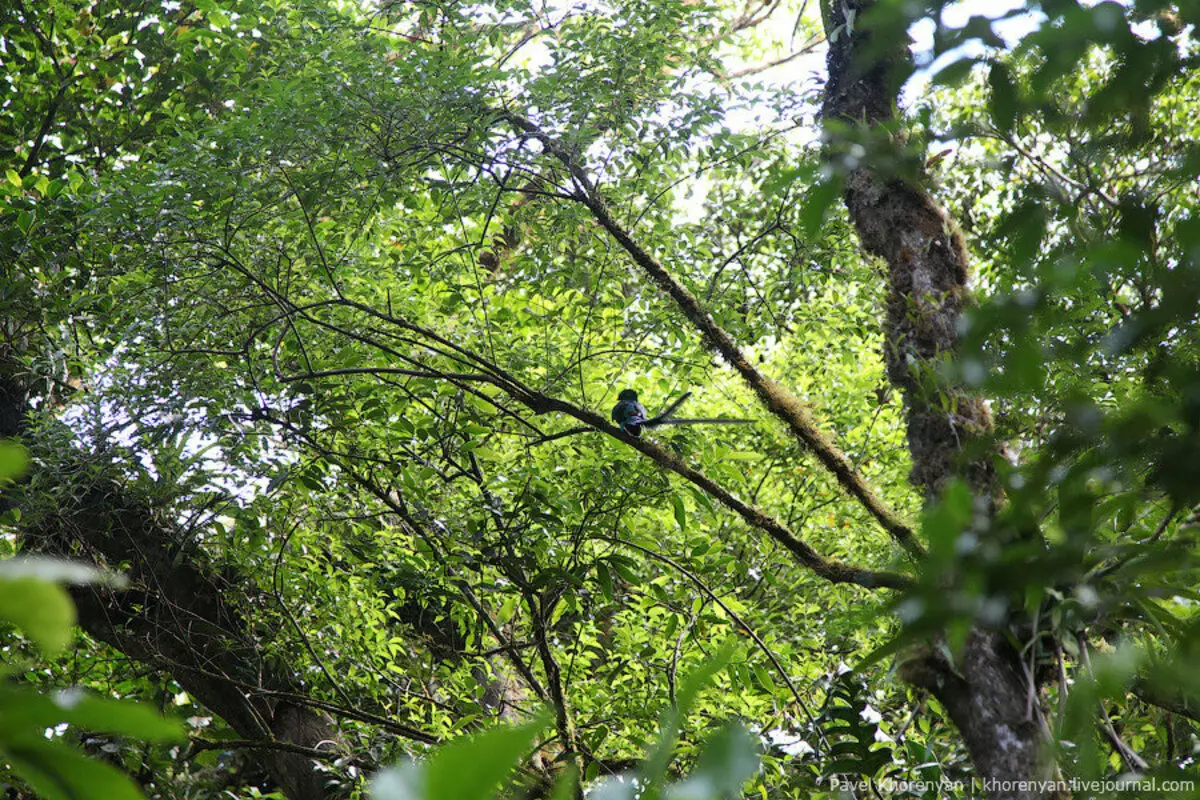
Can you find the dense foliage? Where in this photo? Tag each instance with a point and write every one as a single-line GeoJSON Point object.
{"type": "Point", "coordinates": [313, 314]}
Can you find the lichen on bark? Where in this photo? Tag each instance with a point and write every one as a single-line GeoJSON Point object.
{"type": "Point", "coordinates": [985, 692]}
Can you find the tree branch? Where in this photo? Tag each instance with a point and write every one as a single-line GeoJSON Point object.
{"type": "Point", "coordinates": [199, 745]}
{"type": "Point", "coordinates": [778, 400]}
{"type": "Point", "coordinates": [733, 615]}
{"type": "Point", "coordinates": [830, 570]}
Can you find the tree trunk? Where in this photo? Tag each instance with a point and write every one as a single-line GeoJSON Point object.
{"type": "Point", "coordinates": [985, 693]}
{"type": "Point", "coordinates": [988, 700]}
{"type": "Point", "coordinates": [174, 615]}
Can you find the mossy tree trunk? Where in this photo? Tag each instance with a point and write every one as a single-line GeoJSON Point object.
{"type": "Point", "coordinates": [985, 691]}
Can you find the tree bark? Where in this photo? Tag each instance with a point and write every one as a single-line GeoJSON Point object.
{"type": "Point", "coordinates": [897, 221]}
{"type": "Point", "coordinates": [174, 615]}
{"type": "Point", "coordinates": [987, 698]}
{"type": "Point", "coordinates": [985, 692]}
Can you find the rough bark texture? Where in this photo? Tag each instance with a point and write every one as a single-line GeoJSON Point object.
{"type": "Point", "coordinates": [12, 406]}
{"type": "Point", "coordinates": [926, 297]}
{"type": "Point", "coordinates": [985, 694]}
{"type": "Point", "coordinates": [926, 259]}
{"type": "Point", "coordinates": [174, 615]}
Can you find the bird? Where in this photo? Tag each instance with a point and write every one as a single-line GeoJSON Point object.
{"type": "Point", "coordinates": [628, 413]}
{"type": "Point", "coordinates": [631, 415]}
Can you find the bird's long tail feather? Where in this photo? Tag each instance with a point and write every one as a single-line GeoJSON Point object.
{"type": "Point", "coordinates": [654, 423]}
{"type": "Point", "coordinates": [661, 417]}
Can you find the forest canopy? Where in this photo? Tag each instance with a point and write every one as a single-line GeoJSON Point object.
{"type": "Point", "coordinates": [317, 319]}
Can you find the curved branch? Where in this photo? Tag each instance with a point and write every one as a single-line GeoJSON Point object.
{"type": "Point", "coordinates": [778, 400]}
{"type": "Point", "coordinates": [199, 745]}
{"type": "Point", "coordinates": [733, 615]}
{"type": "Point", "coordinates": [831, 570]}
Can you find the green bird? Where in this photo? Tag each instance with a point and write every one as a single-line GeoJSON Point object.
{"type": "Point", "coordinates": [628, 413]}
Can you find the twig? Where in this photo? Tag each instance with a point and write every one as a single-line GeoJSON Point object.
{"type": "Point", "coordinates": [292, 618]}
{"type": "Point", "coordinates": [199, 745]}
{"type": "Point", "coordinates": [830, 570]}
{"type": "Point", "coordinates": [1133, 761]}
{"type": "Point", "coordinates": [733, 615]}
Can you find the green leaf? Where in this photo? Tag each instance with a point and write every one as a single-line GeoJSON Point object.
{"type": "Point", "coordinates": [43, 611]}
{"type": "Point", "coordinates": [59, 773]}
{"type": "Point", "coordinates": [98, 714]}
{"type": "Point", "coordinates": [1025, 228]}
{"type": "Point", "coordinates": [729, 759]}
{"type": "Point", "coordinates": [604, 576]}
{"type": "Point", "coordinates": [56, 570]}
{"type": "Point", "coordinates": [1003, 102]}
{"type": "Point", "coordinates": [817, 203]}
{"type": "Point", "coordinates": [14, 460]}
{"type": "Point", "coordinates": [955, 72]}
{"type": "Point", "coordinates": [1026, 366]}
{"type": "Point", "coordinates": [471, 768]}
{"type": "Point", "coordinates": [506, 609]}
{"type": "Point", "coordinates": [779, 182]}
{"type": "Point", "coordinates": [564, 787]}
{"type": "Point", "coordinates": [624, 569]}
{"type": "Point", "coordinates": [764, 678]}
{"type": "Point", "coordinates": [680, 511]}
{"type": "Point", "coordinates": [947, 518]}
{"type": "Point", "coordinates": [659, 757]}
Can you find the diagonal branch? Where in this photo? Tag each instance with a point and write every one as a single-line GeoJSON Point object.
{"type": "Point", "coordinates": [176, 617]}
{"type": "Point", "coordinates": [831, 570]}
{"type": "Point", "coordinates": [778, 400]}
{"type": "Point", "coordinates": [1169, 698]}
